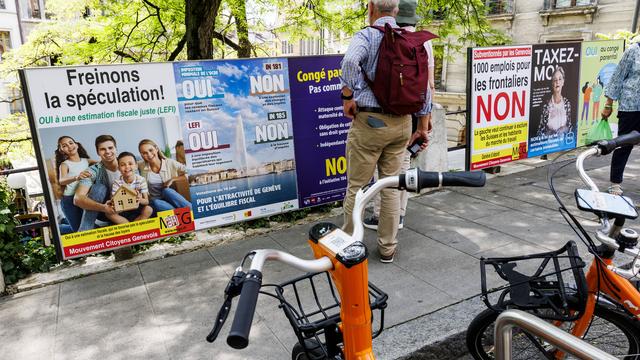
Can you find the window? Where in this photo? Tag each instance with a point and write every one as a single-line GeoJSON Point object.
{"type": "Point", "coordinates": [499, 7]}
{"type": "Point", "coordinates": [123, 192]}
{"type": "Point", "coordinates": [17, 103]}
{"type": "Point", "coordinates": [563, 4]}
{"type": "Point", "coordinates": [2, 5]}
{"type": "Point", "coordinates": [286, 47]}
{"type": "Point", "coordinates": [130, 201]}
{"type": "Point", "coordinates": [5, 42]}
{"type": "Point", "coordinates": [120, 203]}
{"type": "Point", "coordinates": [32, 9]}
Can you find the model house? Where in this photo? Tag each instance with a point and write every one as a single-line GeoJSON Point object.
{"type": "Point", "coordinates": [125, 199]}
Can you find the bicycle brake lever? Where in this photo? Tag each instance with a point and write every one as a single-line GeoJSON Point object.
{"type": "Point", "coordinates": [233, 289]}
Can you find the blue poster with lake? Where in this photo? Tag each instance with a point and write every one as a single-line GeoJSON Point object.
{"type": "Point", "coordinates": [320, 129]}
{"type": "Point", "coordinates": [238, 138]}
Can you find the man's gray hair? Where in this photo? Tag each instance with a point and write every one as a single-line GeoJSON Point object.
{"type": "Point", "coordinates": [385, 6]}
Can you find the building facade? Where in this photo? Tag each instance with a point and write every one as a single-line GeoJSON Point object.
{"type": "Point", "coordinates": [531, 22]}
{"type": "Point", "coordinates": [17, 19]}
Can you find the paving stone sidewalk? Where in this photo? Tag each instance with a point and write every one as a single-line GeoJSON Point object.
{"type": "Point", "coordinates": [163, 309]}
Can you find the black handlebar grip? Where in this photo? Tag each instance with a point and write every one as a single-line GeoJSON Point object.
{"type": "Point", "coordinates": [607, 146]}
{"type": "Point", "coordinates": [464, 178]}
{"type": "Point", "coordinates": [239, 335]}
{"type": "Point", "coordinates": [428, 179]}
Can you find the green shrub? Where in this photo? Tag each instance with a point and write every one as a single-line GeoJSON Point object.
{"type": "Point", "coordinates": [18, 259]}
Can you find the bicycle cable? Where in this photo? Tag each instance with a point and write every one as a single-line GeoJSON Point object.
{"type": "Point", "coordinates": [587, 240]}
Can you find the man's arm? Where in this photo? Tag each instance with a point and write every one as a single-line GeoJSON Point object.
{"type": "Point", "coordinates": [422, 131]}
{"type": "Point", "coordinates": [82, 200]}
{"type": "Point", "coordinates": [351, 73]}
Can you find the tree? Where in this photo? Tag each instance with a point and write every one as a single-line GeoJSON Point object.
{"type": "Point", "coordinates": [124, 31]}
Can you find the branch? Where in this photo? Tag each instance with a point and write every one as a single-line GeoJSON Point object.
{"type": "Point", "coordinates": [11, 101]}
{"type": "Point", "coordinates": [124, 55]}
{"type": "Point", "coordinates": [178, 49]}
{"type": "Point", "coordinates": [11, 141]}
{"type": "Point", "coordinates": [225, 40]}
{"type": "Point", "coordinates": [164, 29]}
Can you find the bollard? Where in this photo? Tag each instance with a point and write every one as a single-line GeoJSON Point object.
{"type": "Point", "coordinates": [434, 157]}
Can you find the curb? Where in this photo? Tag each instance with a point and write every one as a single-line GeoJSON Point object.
{"type": "Point", "coordinates": [439, 335]}
{"type": "Point", "coordinates": [205, 238]}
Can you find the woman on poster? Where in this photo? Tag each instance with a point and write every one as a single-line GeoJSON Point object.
{"type": "Point", "coordinates": [556, 112]}
{"type": "Point", "coordinates": [160, 173]}
{"type": "Point", "coordinates": [71, 161]}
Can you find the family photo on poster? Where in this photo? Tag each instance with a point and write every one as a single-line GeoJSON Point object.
{"type": "Point", "coordinates": [111, 145]}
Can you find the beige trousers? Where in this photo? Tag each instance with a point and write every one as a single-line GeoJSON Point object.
{"type": "Point", "coordinates": [376, 139]}
{"type": "Point", "coordinates": [404, 196]}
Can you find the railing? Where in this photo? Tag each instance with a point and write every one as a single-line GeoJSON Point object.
{"type": "Point", "coordinates": [564, 4]}
{"type": "Point", "coordinates": [541, 329]}
{"type": "Point", "coordinates": [32, 225]}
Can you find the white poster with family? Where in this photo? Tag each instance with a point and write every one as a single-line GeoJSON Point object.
{"type": "Point", "coordinates": [110, 141]}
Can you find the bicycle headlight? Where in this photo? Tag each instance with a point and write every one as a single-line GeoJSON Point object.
{"type": "Point", "coordinates": [352, 254]}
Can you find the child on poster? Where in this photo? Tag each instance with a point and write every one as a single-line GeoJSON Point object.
{"type": "Point", "coordinates": [71, 161]}
{"type": "Point", "coordinates": [127, 165]}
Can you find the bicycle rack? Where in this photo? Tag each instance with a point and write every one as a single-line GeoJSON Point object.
{"type": "Point", "coordinates": [540, 328]}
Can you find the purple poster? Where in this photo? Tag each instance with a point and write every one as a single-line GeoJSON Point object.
{"type": "Point", "coordinates": [319, 128]}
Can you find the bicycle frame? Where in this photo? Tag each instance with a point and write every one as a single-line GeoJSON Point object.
{"type": "Point", "coordinates": [612, 284]}
{"type": "Point", "coordinates": [352, 283]}
{"type": "Point", "coordinates": [344, 257]}
{"type": "Point", "coordinates": [601, 277]}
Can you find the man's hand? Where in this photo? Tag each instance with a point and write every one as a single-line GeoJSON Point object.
{"type": "Point", "coordinates": [422, 132]}
{"type": "Point", "coordinates": [84, 174]}
{"type": "Point", "coordinates": [108, 208]}
{"type": "Point", "coordinates": [420, 135]}
{"type": "Point", "coordinates": [350, 108]}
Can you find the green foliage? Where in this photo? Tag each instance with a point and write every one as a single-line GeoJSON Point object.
{"type": "Point", "coordinates": [459, 23]}
{"type": "Point", "coordinates": [19, 260]}
{"type": "Point", "coordinates": [628, 36]}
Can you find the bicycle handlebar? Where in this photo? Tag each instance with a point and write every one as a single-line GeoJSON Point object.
{"type": "Point", "coordinates": [607, 146]}
{"type": "Point", "coordinates": [413, 180]}
{"type": "Point", "coordinates": [416, 179]}
{"type": "Point", "coordinates": [239, 335]}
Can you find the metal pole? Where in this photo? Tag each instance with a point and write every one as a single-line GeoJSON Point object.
{"type": "Point", "coordinates": [542, 329]}
{"type": "Point", "coordinates": [634, 24]}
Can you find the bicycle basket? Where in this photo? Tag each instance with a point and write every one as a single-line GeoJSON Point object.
{"type": "Point", "coordinates": [312, 307]}
{"type": "Point", "coordinates": [552, 285]}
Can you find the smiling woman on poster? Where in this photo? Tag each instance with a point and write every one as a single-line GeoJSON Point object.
{"type": "Point", "coordinates": [160, 173]}
{"type": "Point", "coordinates": [556, 112]}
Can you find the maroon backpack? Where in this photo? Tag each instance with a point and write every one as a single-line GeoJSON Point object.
{"type": "Point", "coordinates": [402, 76]}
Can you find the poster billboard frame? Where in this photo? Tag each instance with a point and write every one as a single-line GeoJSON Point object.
{"type": "Point", "coordinates": [43, 176]}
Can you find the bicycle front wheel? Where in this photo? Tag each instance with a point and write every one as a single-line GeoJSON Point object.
{"type": "Point", "coordinates": [612, 331]}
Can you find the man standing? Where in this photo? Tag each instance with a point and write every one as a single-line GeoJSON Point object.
{"type": "Point", "coordinates": [375, 137]}
{"type": "Point", "coordinates": [407, 19]}
{"type": "Point", "coordinates": [95, 187]}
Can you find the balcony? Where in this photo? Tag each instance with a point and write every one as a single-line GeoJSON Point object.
{"type": "Point", "coordinates": [551, 8]}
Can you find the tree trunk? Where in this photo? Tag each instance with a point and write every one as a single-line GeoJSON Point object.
{"type": "Point", "coordinates": [240, 13]}
{"type": "Point", "coordinates": [200, 19]}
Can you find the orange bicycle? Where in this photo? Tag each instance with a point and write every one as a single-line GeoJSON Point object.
{"type": "Point", "coordinates": [330, 308]}
{"type": "Point", "coordinates": [602, 307]}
